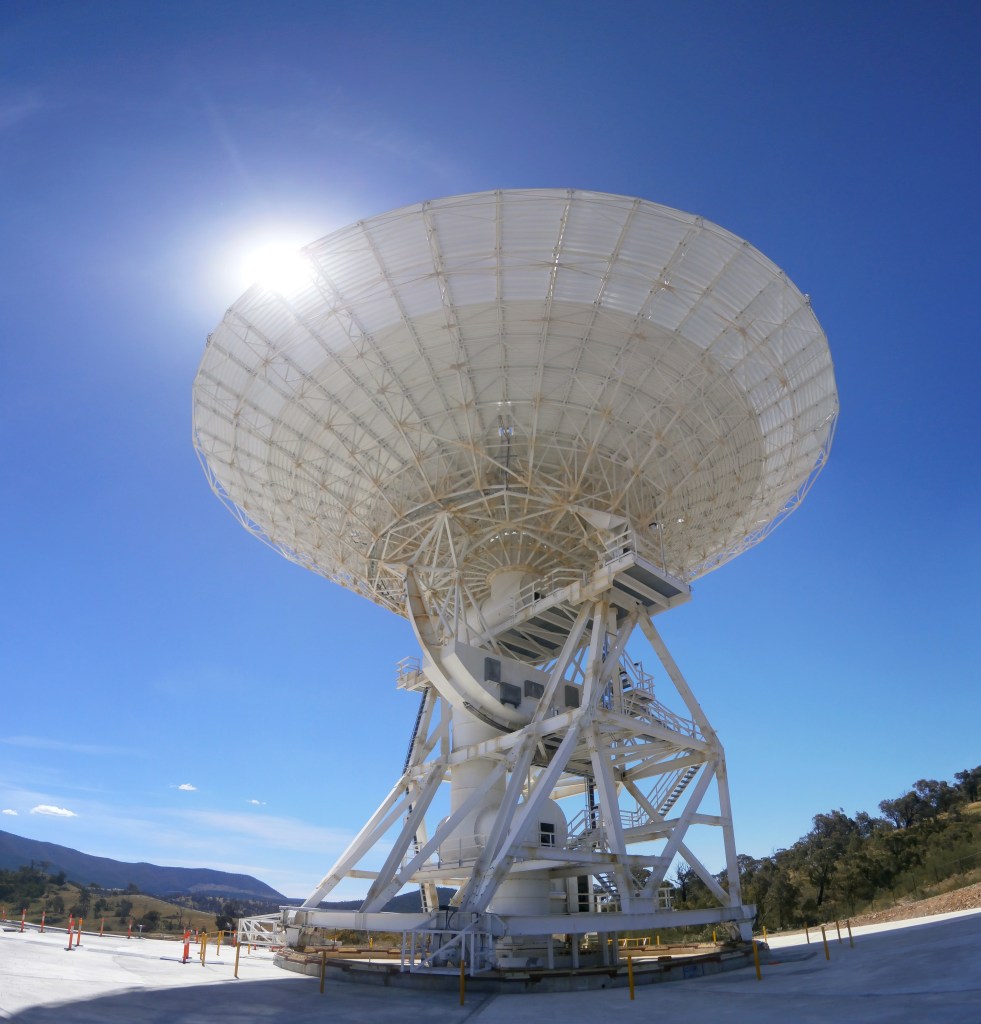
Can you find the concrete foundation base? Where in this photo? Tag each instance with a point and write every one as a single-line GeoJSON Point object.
{"type": "Point", "coordinates": [646, 970]}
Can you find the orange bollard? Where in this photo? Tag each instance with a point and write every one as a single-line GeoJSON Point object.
{"type": "Point", "coordinates": [102, 927]}
{"type": "Point", "coordinates": [187, 944]}
{"type": "Point", "coordinates": [70, 936]}
{"type": "Point", "coordinates": [129, 930]}
{"type": "Point", "coordinates": [23, 918]}
{"type": "Point", "coordinates": [43, 915]}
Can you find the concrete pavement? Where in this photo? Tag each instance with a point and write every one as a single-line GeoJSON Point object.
{"type": "Point", "coordinates": [928, 969]}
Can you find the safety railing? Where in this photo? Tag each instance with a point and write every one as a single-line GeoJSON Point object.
{"type": "Point", "coordinates": [543, 587]}
{"type": "Point", "coordinates": [635, 698]}
{"type": "Point", "coordinates": [445, 946]}
{"type": "Point", "coordinates": [266, 930]}
{"type": "Point", "coordinates": [409, 674]}
{"type": "Point", "coordinates": [586, 828]}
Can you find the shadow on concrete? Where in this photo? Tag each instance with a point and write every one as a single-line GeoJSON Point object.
{"type": "Point", "coordinates": [294, 999]}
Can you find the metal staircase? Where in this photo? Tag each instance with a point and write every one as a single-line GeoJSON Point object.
{"type": "Point", "coordinates": [428, 893]}
{"type": "Point", "coordinates": [680, 786]}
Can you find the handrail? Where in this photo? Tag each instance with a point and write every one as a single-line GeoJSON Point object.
{"type": "Point", "coordinates": [438, 945]}
{"type": "Point", "coordinates": [265, 930]}
{"type": "Point", "coordinates": [543, 587]}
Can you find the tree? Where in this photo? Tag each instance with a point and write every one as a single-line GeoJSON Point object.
{"type": "Point", "coordinates": [937, 797]}
{"type": "Point", "coordinates": [84, 900]}
{"type": "Point", "coordinates": [123, 909]}
{"type": "Point", "coordinates": [969, 782]}
{"type": "Point", "coordinates": [823, 848]}
{"type": "Point", "coordinates": [684, 880]}
{"type": "Point", "coordinates": [904, 810]}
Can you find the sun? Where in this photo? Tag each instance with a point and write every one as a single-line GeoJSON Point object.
{"type": "Point", "coordinates": [278, 265]}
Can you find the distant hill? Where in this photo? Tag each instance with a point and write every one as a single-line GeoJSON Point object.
{"type": "Point", "coordinates": [405, 903]}
{"type": "Point", "coordinates": [16, 851]}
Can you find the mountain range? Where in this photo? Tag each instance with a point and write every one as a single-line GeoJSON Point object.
{"type": "Point", "coordinates": [16, 851]}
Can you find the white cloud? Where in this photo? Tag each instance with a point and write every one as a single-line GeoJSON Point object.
{"type": "Point", "coordinates": [187, 787]}
{"type": "Point", "coordinates": [270, 831]}
{"type": "Point", "coordinates": [258, 803]}
{"type": "Point", "coordinates": [43, 743]}
{"type": "Point", "coordinates": [57, 812]}
{"type": "Point", "coordinates": [7, 810]}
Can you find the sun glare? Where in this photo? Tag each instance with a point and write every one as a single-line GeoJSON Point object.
{"type": "Point", "coordinates": [278, 266]}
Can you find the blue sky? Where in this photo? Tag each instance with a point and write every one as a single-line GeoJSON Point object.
{"type": "Point", "coordinates": [147, 643]}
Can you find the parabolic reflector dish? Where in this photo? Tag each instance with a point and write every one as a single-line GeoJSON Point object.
{"type": "Point", "coordinates": [509, 370]}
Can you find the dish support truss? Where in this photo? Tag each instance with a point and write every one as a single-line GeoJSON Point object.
{"type": "Point", "coordinates": [524, 869]}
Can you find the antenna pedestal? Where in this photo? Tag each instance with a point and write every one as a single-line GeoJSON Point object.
{"type": "Point", "coordinates": [568, 824]}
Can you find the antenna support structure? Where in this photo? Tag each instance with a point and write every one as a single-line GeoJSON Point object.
{"type": "Point", "coordinates": [526, 421]}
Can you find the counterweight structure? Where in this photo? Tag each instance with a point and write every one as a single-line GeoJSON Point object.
{"type": "Point", "coordinates": [527, 421]}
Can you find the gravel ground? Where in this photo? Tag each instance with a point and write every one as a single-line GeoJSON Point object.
{"type": "Point", "coordinates": [968, 898]}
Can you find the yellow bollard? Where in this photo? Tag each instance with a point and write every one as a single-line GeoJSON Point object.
{"type": "Point", "coordinates": [764, 933]}
{"type": "Point", "coordinates": [824, 937]}
{"type": "Point", "coordinates": [630, 974]}
{"type": "Point", "coordinates": [838, 926]}
{"type": "Point", "coordinates": [463, 980]}
{"type": "Point", "coordinates": [238, 949]}
{"type": "Point", "coordinates": [323, 969]}
{"type": "Point", "coordinates": [204, 946]}
{"type": "Point", "coordinates": [851, 941]}
{"type": "Point", "coordinates": [714, 939]}
{"type": "Point", "coordinates": [78, 934]}
{"type": "Point", "coordinates": [756, 961]}
{"type": "Point", "coordinates": [218, 946]}
{"type": "Point", "coordinates": [657, 938]}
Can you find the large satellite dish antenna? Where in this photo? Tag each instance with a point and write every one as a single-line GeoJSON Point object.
{"type": "Point", "coordinates": [525, 420]}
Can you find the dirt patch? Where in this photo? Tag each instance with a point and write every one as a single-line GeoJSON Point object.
{"type": "Point", "coordinates": [968, 898]}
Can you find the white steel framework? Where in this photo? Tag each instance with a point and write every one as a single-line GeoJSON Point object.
{"type": "Point", "coordinates": [566, 824]}
{"type": "Point", "coordinates": [508, 358]}
{"type": "Point", "coordinates": [525, 420]}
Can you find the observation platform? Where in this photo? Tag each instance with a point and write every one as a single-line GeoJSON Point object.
{"type": "Point", "coordinates": [543, 610]}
